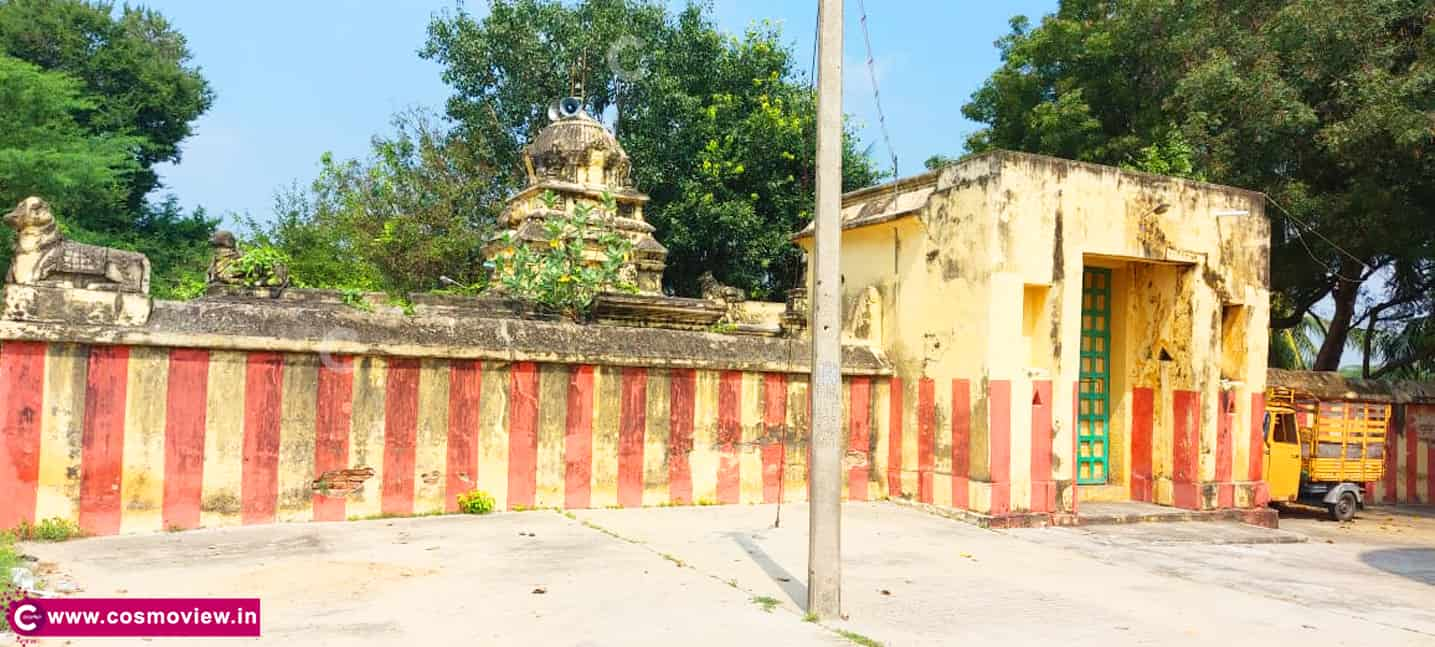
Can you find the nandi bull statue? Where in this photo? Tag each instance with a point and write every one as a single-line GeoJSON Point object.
{"type": "Point", "coordinates": [54, 279]}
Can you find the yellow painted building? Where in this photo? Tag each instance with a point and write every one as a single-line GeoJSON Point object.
{"type": "Point", "coordinates": [1053, 323]}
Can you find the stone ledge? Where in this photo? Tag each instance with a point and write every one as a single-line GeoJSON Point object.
{"type": "Point", "coordinates": [1264, 517]}
{"type": "Point", "coordinates": [48, 303]}
{"type": "Point", "coordinates": [319, 327]}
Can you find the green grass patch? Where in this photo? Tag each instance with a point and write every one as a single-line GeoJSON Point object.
{"type": "Point", "coordinates": [9, 559]}
{"type": "Point", "coordinates": [394, 515]}
{"type": "Point", "coordinates": [672, 558]}
{"type": "Point", "coordinates": [767, 603]}
{"type": "Point", "coordinates": [811, 617]}
{"type": "Point", "coordinates": [858, 639]}
{"type": "Point", "coordinates": [52, 529]}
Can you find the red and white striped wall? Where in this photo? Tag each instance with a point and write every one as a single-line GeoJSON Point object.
{"type": "Point", "coordinates": [140, 438]}
{"type": "Point", "coordinates": [1409, 459]}
{"type": "Point", "coordinates": [130, 438]}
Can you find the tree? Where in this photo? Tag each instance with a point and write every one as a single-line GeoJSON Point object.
{"type": "Point", "coordinates": [92, 101]}
{"type": "Point", "coordinates": [420, 206]}
{"type": "Point", "coordinates": [135, 68]}
{"type": "Point", "coordinates": [720, 128]}
{"type": "Point", "coordinates": [44, 151]}
{"type": "Point", "coordinates": [1322, 104]}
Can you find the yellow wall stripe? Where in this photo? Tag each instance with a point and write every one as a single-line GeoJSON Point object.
{"type": "Point", "coordinates": [142, 485]}
{"type": "Point", "coordinates": [431, 438]}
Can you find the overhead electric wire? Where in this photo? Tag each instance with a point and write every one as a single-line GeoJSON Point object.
{"type": "Point", "coordinates": [876, 91]}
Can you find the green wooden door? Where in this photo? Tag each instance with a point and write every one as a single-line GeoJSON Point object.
{"type": "Point", "coordinates": [1093, 425]}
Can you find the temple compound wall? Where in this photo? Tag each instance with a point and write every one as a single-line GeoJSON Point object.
{"type": "Point", "coordinates": [236, 411]}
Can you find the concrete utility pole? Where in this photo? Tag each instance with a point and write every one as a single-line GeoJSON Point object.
{"type": "Point", "coordinates": [824, 534]}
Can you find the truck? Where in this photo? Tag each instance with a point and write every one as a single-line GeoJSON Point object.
{"type": "Point", "coordinates": [1323, 452]}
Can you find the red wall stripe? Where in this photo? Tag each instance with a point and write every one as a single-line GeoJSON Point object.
{"type": "Point", "coordinates": [1143, 419]}
{"type": "Point", "coordinates": [1225, 426]}
{"type": "Point", "coordinates": [102, 439]}
{"type": "Point", "coordinates": [961, 443]}
{"type": "Point", "coordinates": [774, 449]}
{"type": "Point", "coordinates": [1429, 470]}
{"type": "Point", "coordinates": [859, 416]}
{"type": "Point", "coordinates": [894, 437]}
{"type": "Point", "coordinates": [999, 399]}
{"type": "Point", "coordinates": [1256, 470]}
{"type": "Point", "coordinates": [1186, 448]}
{"type": "Point", "coordinates": [578, 439]}
{"type": "Point", "coordinates": [729, 434]}
{"type": "Point", "coordinates": [1412, 450]}
{"type": "Point", "coordinates": [186, 399]}
{"type": "Point", "coordinates": [22, 393]}
{"type": "Point", "coordinates": [682, 385]}
{"type": "Point", "coordinates": [1392, 460]}
{"type": "Point", "coordinates": [1043, 489]}
{"type": "Point", "coordinates": [333, 410]}
{"type": "Point", "coordinates": [522, 434]}
{"type": "Point", "coordinates": [263, 392]}
{"type": "Point", "coordinates": [926, 437]}
{"type": "Point", "coordinates": [631, 425]}
{"type": "Point", "coordinates": [465, 383]}
{"type": "Point", "coordinates": [401, 421]}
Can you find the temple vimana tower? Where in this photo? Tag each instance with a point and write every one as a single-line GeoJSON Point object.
{"type": "Point", "coordinates": [577, 160]}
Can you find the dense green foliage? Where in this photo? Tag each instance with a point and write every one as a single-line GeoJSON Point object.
{"type": "Point", "coordinates": [45, 151]}
{"type": "Point", "coordinates": [133, 65]}
{"type": "Point", "coordinates": [1322, 104]}
{"type": "Point", "coordinates": [93, 98]}
{"type": "Point", "coordinates": [419, 207]}
{"type": "Point", "coordinates": [720, 128]}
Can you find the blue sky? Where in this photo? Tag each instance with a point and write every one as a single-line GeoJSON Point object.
{"type": "Point", "coordinates": [297, 78]}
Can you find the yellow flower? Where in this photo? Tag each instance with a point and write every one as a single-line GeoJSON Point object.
{"type": "Point", "coordinates": [555, 243]}
{"type": "Point", "coordinates": [565, 278]}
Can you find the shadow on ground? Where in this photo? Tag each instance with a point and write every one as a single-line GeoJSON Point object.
{"type": "Point", "coordinates": [791, 585]}
{"type": "Point", "coordinates": [1417, 564]}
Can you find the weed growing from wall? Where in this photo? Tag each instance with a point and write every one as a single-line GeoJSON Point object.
{"type": "Point", "coordinates": [577, 259]}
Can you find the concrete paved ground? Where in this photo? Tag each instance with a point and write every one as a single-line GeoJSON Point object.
{"type": "Point", "coordinates": [434, 581]}
{"type": "Point", "coordinates": [689, 575]}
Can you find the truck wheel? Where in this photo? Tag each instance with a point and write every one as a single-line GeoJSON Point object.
{"type": "Point", "coordinates": [1344, 508]}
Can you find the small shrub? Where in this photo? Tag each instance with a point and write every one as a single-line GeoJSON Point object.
{"type": "Point", "coordinates": [52, 529]}
{"type": "Point", "coordinates": [189, 287]}
{"type": "Point", "coordinates": [263, 266]}
{"type": "Point", "coordinates": [354, 298]}
{"type": "Point", "coordinates": [403, 303]}
{"type": "Point", "coordinates": [475, 502]}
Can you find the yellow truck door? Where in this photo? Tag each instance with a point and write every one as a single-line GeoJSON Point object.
{"type": "Point", "coordinates": [1282, 457]}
